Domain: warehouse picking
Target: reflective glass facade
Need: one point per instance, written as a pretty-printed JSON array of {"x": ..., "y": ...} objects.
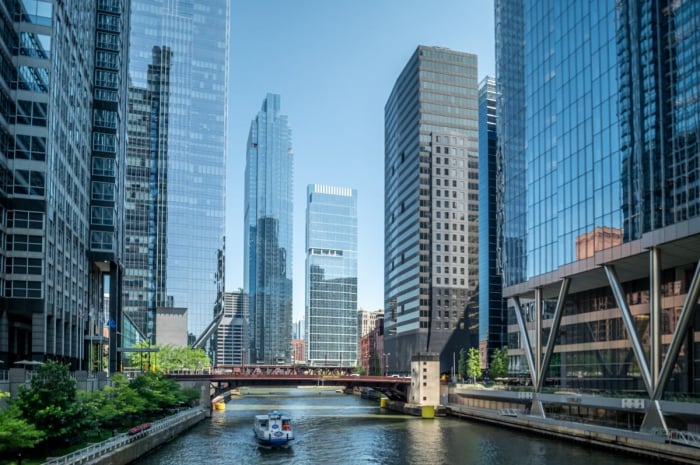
[
  {"x": 331, "y": 276},
  {"x": 61, "y": 158},
  {"x": 178, "y": 71},
  {"x": 268, "y": 234},
  {"x": 598, "y": 110},
  {"x": 431, "y": 167},
  {"x": 492, "y": 307}
]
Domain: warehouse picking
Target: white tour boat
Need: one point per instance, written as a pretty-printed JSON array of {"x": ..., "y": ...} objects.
[{"x": 273, "y": 429}]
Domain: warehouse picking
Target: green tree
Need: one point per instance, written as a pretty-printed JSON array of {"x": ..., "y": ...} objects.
[
  {"x": 168, "y": 357},
  {"x": 161, "y": 393},
  {"x": 473, "y": 364},
  {"x": 50, "y": 402},
  {"x": 462, "y": 364},
  {"x": 499, "y": 363},
  {"x": 116, "y": 405},
  {"x": 15, "y": 432}
]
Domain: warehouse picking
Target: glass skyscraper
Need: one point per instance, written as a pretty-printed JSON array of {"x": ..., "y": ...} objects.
[
  {"x": 268, "y": 234},
  {"x": 175, "y": 183},
  {"x": 331, "y": 276},
  {"x": 492, "y": 307},
  {"x": 62, "y": 136},
  {"x": 597, "y": 135},
  {"x": 431, "y": 226}
]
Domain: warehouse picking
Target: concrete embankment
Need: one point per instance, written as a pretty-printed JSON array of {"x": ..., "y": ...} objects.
[
  {"x": 127, "y": 448},
  {"x": 143, "y": 445},
  {"x": 629, "y": 442}
]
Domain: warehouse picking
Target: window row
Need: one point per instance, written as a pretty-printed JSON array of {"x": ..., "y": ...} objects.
[
  {"x": 23, "y": 265},
  {"x": 27, "y": 182},
  {"x": 23, "y": 289}
]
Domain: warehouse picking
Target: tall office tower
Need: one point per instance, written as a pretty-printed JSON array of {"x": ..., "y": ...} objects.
[
  {"x": 597, "y": 132},
  {"x": 492, "y": 307},
  {"x": 61, "y": 155},
  {"x": 331, "y": 276},
  {"x": 178, "y": 75},
  {"x": 268, "y": 234},
  {"x": 431, "y": 208},
  {"x": 232, "y": 332}
]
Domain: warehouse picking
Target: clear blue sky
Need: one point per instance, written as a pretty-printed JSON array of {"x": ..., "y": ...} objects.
[{"x": 334, "y": 63}]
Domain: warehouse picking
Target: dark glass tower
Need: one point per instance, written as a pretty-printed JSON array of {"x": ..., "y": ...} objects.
[
  {"x": 178, "y": 72},
  {"x": 492, "y": 307},
  {"x": 431, "y": 227},
  {"x": 269, "y": 234},
  {"x": 598, "y": 112}
]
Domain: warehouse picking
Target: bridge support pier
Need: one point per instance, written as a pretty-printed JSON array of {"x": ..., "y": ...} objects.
[{"x": 425, "y": 379}]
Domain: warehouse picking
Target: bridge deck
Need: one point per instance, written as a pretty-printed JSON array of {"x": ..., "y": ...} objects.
[{"x": 393, "y": 387}]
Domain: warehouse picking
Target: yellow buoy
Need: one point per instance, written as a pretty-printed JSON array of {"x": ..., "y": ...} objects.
[
  {"x": 382, "y": 402},
  {"x": 220, "y": 406},
  {"x": 428, "y": 411}
]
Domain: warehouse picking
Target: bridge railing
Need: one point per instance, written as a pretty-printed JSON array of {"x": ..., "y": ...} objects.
[
  {"x": 687, "y": 438},
  {"x": 100, "y": 449}
]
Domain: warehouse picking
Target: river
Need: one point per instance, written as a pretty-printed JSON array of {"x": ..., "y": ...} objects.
[{"x": 338, "y": 429}]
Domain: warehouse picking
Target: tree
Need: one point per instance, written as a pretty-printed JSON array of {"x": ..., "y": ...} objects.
[
  {"x": 462, "y": 364},
  {"x": 499, "y": 363},
  {"x": 16, "y": 432},
  {"x": 50, "y": 402},
  {"x": 115, "y": 405},
  {"x": 473, "y": 364},
  {"x": 168, "y": 358}
]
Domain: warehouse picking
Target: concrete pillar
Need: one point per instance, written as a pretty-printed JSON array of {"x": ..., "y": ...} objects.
[{"x": 425, "y": 379}]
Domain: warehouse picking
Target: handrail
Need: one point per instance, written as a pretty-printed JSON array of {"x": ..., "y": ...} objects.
[
  {"x": 687, "y": 438},
  {"x": 99, "y": 449}
]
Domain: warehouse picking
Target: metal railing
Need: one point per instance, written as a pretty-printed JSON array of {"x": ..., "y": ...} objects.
[
  {"x": 686, "y": 438},
  {"x": 94, "y": 451}
]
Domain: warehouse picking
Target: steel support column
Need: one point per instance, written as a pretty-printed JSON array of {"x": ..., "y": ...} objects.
[
  {"x": 684, "y": 321},
  {"x": 527, "y": 348},
  {"x": 655, "y": 314},
  {"x": 538, "y": 336},
  {"x": 629, "y": 325},
  {"x": 537, "y": 408},
  {"x": 556, "y": 321}
]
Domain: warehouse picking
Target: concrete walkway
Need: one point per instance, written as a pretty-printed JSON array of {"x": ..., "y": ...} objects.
[{"x": 631, "y": 442}]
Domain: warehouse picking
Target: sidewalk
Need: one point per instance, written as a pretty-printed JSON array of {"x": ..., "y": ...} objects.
[{"x": 630, "y": 442}]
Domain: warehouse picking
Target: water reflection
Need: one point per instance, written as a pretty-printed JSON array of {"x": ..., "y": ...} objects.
[{"x": 344, "y": 430}]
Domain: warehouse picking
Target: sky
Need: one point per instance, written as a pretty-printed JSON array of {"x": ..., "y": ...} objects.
[{"x": 334, "y": 64}]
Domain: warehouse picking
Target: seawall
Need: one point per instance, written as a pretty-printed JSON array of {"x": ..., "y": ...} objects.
[
  {"x": 630, "y": 442},
  {"x": 124, "y": 449}
]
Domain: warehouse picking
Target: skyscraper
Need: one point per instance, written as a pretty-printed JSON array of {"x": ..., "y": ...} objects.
[
  {"x": 232, "y": 333},
  {"x": 331, "y": 276},
  {"x": 178, "y": 76},
  {"x": 597, "y": 133},
  {"x": 431, "y": 208},
  {"x": 62, "y": 138},
  {"x": 268, "y": 234},
  {"x": 492, "y": 307}
]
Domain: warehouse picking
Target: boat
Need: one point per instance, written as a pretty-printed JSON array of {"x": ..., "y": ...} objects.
[{"x": 273, "y": 429}]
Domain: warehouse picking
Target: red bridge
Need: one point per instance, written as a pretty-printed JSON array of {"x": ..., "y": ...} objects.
[{"x": 224, "y": 378}]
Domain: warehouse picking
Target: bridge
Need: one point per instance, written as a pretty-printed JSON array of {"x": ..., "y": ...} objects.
[{"x": 223, "y": 379}]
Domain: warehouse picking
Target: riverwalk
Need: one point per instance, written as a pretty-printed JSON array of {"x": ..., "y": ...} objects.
[
  {"x": 653, "y": 446},
  {"x": 126, "y": 448}
]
